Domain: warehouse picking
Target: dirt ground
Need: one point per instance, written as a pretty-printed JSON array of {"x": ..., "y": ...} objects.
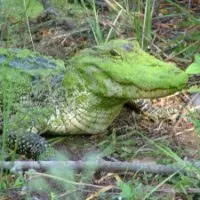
[{"x": 167, "y": 121}]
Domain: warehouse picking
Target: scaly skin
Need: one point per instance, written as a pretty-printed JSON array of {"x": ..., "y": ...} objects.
[{"x": 87, "y": 94}]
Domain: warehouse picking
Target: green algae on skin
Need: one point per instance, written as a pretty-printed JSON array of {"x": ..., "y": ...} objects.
[
  {"x": 99, "y": 66},
  {"x": 86, "y": 95}
]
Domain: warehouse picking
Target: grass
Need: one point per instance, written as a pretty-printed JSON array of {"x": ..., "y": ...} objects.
[
  {"x": 32, "y": 7},
  {"x": 13, "y": 17},
  {"x": 94, "y": 22},
  {"x": 139, "y": 20}
]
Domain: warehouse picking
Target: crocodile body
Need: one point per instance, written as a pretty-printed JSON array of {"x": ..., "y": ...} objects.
[{"x": 86, "y": 94}]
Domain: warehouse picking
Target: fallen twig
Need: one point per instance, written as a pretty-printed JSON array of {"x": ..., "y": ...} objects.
[{"x": 183, "y": 167}]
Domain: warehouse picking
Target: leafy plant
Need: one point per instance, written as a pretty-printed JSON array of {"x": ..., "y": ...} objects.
[
  {"x": 130, "y": 191},
  {"x": 31, "y": 7},
  {"x": 194, "y": 68},
  {"x": 94, "y": 22}
]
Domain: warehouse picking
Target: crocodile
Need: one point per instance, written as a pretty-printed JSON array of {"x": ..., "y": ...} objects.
[{"x": 84, "y": 95}]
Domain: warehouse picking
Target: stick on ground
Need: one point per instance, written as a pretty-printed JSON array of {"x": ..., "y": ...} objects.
[{"x": 183, "y": 167}]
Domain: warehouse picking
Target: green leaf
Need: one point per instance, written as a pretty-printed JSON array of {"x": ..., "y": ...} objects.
[
  {"x": 194, "y": 68},
  {"x": 194, "y": 89},
  {"x": 126, "y": 189}
]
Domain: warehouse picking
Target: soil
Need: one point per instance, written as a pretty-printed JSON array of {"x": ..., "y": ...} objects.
[{"x": 64, "y": 36}]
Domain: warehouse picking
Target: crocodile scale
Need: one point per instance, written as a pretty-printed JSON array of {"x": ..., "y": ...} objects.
[{"x": 39, "y": 94}]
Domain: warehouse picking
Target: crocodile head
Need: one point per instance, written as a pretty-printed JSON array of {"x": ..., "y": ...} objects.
[{"x": 121, "y": 69}]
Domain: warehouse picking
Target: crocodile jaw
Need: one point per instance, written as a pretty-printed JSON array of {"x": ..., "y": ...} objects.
[
  {"x": 85, "y": 123},
  {"x": 88, "y": 117}
]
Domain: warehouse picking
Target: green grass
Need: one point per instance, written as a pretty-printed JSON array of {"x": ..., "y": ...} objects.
[
  {"x": 31, "y": 7},
  {"x": 139, "y": 20},
  {"x": 94, "y": 22}
]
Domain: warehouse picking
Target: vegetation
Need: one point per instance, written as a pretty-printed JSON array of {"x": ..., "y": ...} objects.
[{"x": 169, "y": 31}]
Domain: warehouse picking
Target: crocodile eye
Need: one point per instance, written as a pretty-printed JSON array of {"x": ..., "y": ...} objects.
[{"x": 113, "y": 52}]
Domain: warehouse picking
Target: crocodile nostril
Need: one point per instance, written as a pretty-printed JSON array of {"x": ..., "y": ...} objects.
[{"x": 178, "y": 72}]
